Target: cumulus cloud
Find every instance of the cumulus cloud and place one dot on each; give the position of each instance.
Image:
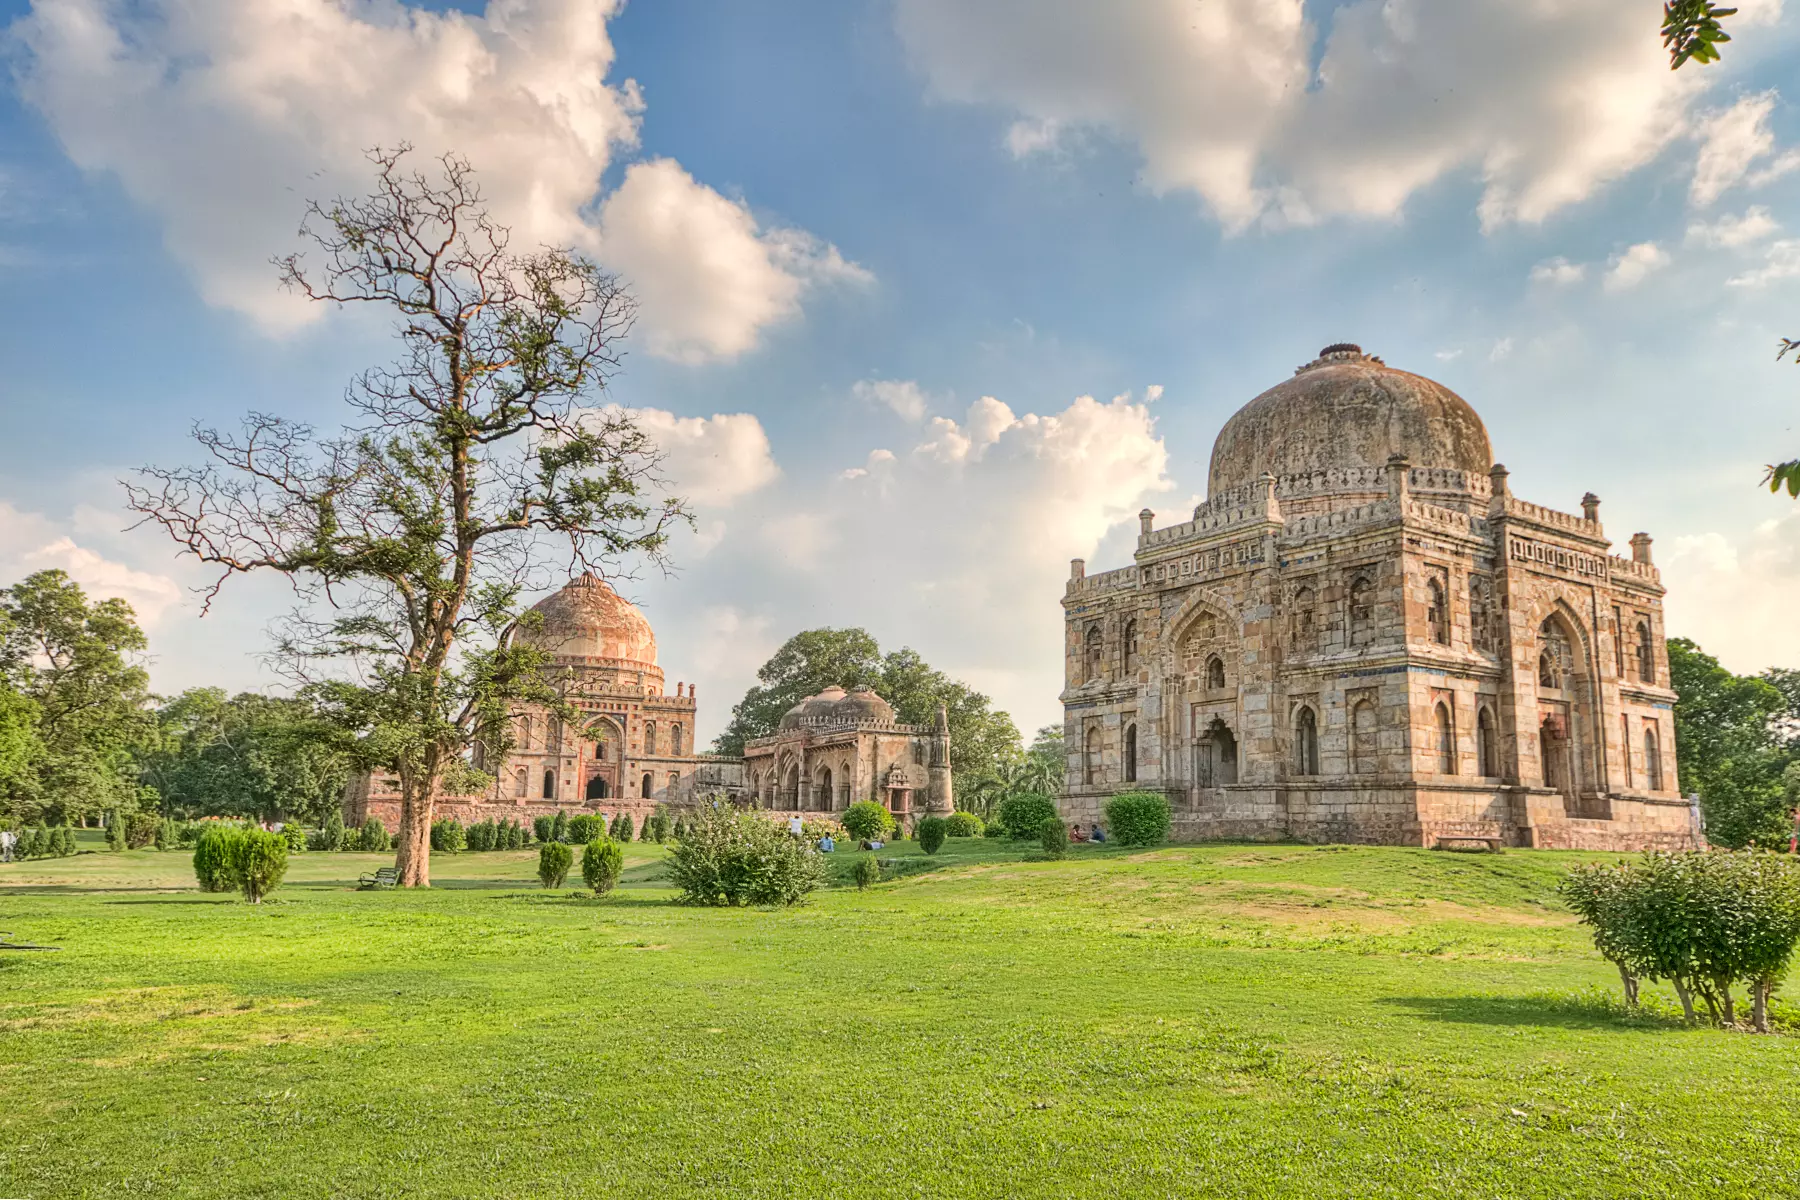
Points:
(1633, 265)
(1732, 139)
(1781, 261)
(220, 116)
(711, 461)
(1558, 272)
(1733, 595)
(1544, 103)
(1731, 232)
(31, 542)
(902, 395)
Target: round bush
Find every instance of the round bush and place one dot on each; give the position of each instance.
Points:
(962, 824)
(932, 831)
(731, 858)
(1024, 812)
(601, 861)
(559, 827)
(374, 835)
(867, 820)
(554, 860)
(1053, 837)
(867, 872)
(540, 828)
(294, 836)
(258, 862)
(213, 859)
(1138, 818)
(585, 828)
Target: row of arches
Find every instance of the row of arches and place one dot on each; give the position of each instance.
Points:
(1364, 740)
(828, 786)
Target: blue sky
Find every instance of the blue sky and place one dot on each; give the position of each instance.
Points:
(887, 212)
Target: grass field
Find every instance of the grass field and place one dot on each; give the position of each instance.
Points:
(1225, 1020)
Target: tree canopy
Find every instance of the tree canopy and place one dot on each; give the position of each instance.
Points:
(981, 740)
(267, 757)
(1730, 748)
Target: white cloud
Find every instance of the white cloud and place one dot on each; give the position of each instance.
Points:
(221, 116)
(1781, 261)
(711, 461)
(1544, 103)
(1729, 232)
(1503, 348)
(1731, 139)
(1558, 272)
(1735, 596)
(1633, 265)
(902, 395)
(31, 542)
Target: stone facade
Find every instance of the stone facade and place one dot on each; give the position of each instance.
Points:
(1362, 636)
(839, 747)
(632, 749)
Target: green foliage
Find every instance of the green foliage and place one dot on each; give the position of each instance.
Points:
(866, 872)
(140, 829)
(1691, 30)
(331, 833)
(115, 830)
(809, 662)
(1728, 749)
(480, 836)
(268, 757)
(559, 827)
(1023, 813)
(962, 825)
(1053, 837)
(1138, 818)
(541, 827)
(447, 836)
(554, 860)
(257, 861)
(622, 830)
(62, 841)
(374, 838)
(585, 828)
(602, 859)
(733, 858)
(213, 859)
(1703, 920)
(931, 833)
(515, 836)
(660, 825)
(866, 820)
(165, 834)
(295, 837)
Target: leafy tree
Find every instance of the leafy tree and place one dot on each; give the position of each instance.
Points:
(1045, 762)
(732, 858)
(554, 860)
(867, 820)
(411, 535)
(1691, 31)
(981, 740)
(1728, 748)
(264, 757)
(73, 700)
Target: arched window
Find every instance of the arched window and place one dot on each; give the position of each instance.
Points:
(1481, 615)
(1556, 660)
(1646, 654)
(649, 737)
(1091, 756)
(1365, 748)
(647, 786)
(1131, 647)
(1091, 662)
(1486, 747)
(596, 788)
(675, 738)
(1362, 611)
(1446, 740)
(1618, 631)
(1303, 632)
(1215, 672)
(1130, 757)
(549, 785)
(554, 736)
(520, 784)
(525, 732)
(1652, 759)
(1625, 746)
(674, 778)
(1437, 612)
(1306, 742)
(822, 789)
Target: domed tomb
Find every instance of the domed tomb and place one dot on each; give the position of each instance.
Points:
(1347, 409)
(862, 704)
(587, 619)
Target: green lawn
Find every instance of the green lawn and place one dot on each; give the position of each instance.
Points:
(1216, 1021)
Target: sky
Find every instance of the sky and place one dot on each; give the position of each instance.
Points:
(934, 295)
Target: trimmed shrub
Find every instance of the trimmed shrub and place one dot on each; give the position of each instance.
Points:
(866, 820)
(515, 836)
(257, 861)
(294, 836)
(480, 836)
(559, 827)
(660, 824)
(331, 834)
(140, 830)
(448, 836)
(374, 836)
(1053, 836)
(1022, 814)
(731, 858)
(962, 824)
(540, 828)
(866, 872)
(554, 860)
(584, 829)
(621, 830)
(63, 841)
(165, 834)
(30, 839)
(601, 861)
(213, 857)
(1138, 818)
(115, 830)
(932, 831)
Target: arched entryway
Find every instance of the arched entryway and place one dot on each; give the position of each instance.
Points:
(1215, 755)
(822, 793)
(602, 759)
(1565, 693)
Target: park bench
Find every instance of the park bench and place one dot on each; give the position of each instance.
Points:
(1447, 841)
(384, 877)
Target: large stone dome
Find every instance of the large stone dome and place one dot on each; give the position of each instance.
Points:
(587, 619)
(1347, 409)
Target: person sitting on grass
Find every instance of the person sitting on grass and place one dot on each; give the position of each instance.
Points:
(1076, 834)
(827, 844)
(1099, 835)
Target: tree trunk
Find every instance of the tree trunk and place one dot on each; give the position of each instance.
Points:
(1730, 1013)
(413, 844)
(1759, 1005)
(1631, 986)
(1687, 999)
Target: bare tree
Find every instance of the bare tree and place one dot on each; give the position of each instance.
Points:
(410, 535)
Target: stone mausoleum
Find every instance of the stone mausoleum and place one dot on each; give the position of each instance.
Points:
(1362, 636)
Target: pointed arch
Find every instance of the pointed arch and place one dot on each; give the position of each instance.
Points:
(1365, 745)
(1215, 672)
(1446, 738)
(1199, 601)
(1129, 757)
(1653, 772)
(1306, 741)
(1487, 747)
(1646, 654)
(549, 784)
(1437, 611)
